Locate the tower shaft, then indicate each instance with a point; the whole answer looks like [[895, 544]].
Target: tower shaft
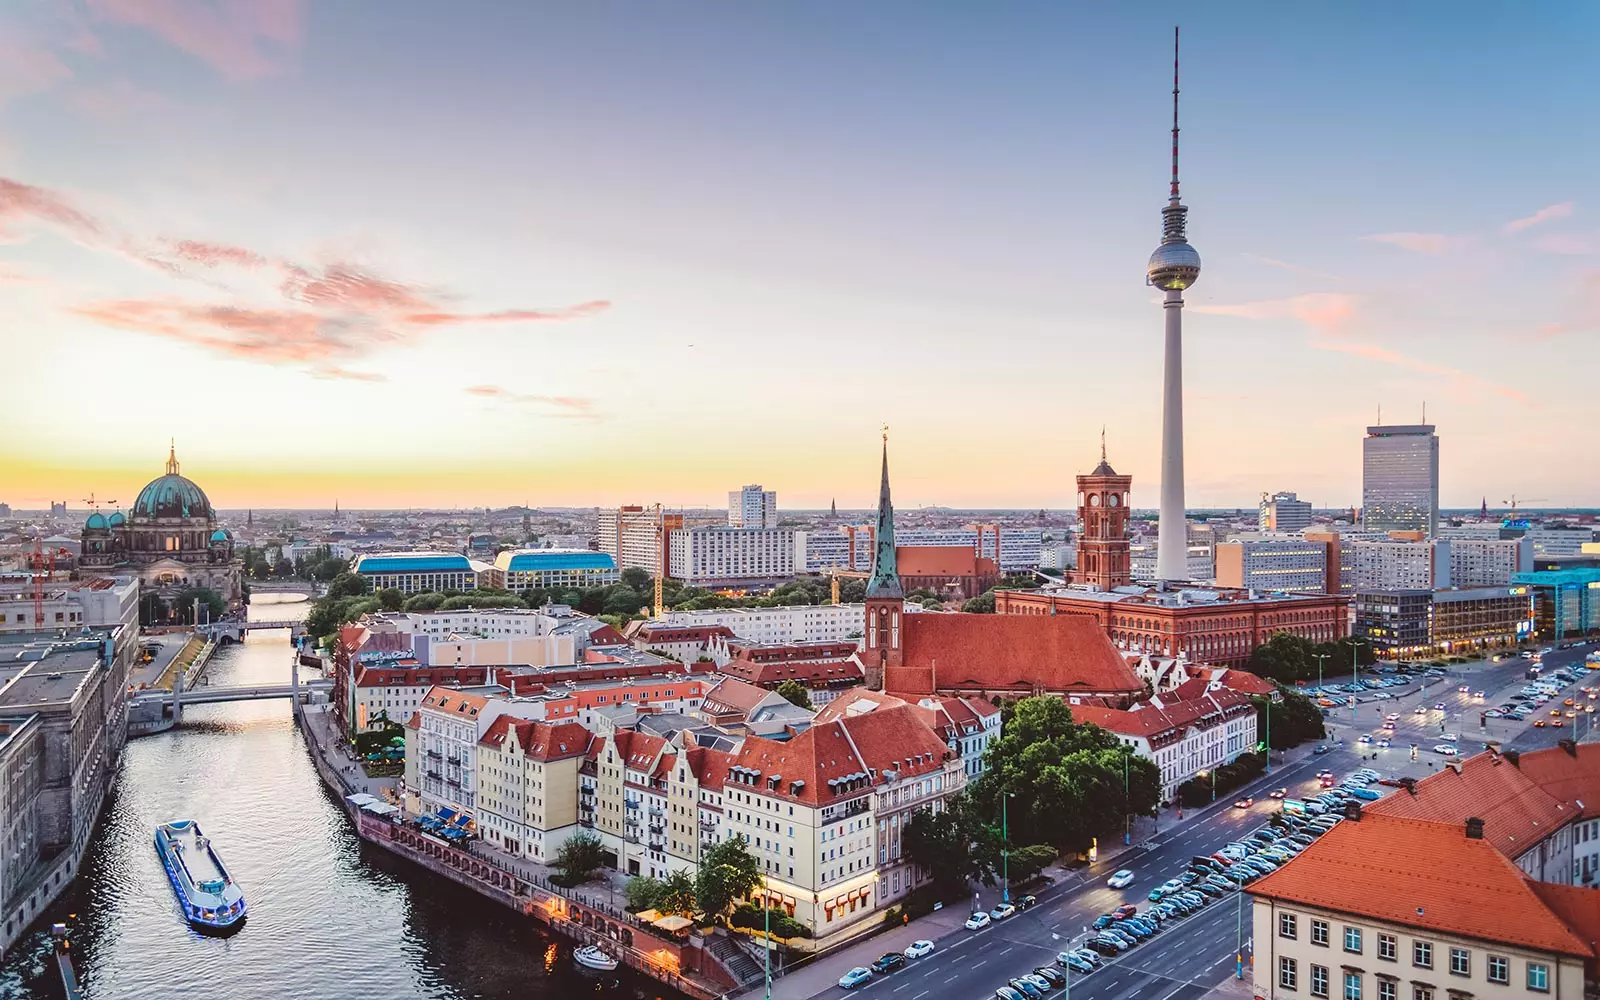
[[1172, 539]]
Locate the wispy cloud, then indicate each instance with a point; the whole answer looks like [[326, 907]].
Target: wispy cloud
[[1428, 243], [333, 372], [574, 407], [240, 39], [1328, 312], [24, 203], [1374, 352], [1286, 266], [26, 69], [1557, 211], [1569, 244], [215, 254]]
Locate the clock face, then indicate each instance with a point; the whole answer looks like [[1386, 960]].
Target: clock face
[[1113, 500], [1094, 500]]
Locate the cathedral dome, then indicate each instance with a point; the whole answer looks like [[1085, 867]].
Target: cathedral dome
[[221, 535], [96, 522], [172, 496], [116, 520]]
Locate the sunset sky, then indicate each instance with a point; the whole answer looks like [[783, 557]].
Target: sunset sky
[[416, 254]]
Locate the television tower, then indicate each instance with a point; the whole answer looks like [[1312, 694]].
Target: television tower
[[1173, 267]]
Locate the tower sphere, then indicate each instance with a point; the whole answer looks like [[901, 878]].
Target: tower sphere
[[1174, 266]]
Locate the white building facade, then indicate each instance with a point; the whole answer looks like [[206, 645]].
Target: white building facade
[[1396, 565], [708, 555], [752, 507], [1488, 562]]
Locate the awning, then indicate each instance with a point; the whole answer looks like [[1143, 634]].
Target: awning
[[649, 916], [675, 922]]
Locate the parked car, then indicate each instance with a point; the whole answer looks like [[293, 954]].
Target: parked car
[[855, 977], [1002, 911], [1027, 902], [1007, 993], [919, 949], [1124, 911], [1055, 978], [1120, 880], [1027, 989], [1071, 960], [978, 921], [889, 962]]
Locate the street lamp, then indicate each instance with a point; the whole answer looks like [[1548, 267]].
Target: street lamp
[[1127, 816], [1319, 657], [1005, 853], [1355, 670], [1238, 939]]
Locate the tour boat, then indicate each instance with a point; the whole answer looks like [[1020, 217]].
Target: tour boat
[[211, 900], [590, 956]]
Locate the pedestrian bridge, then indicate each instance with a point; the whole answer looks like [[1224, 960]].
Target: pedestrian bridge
[[236, 630], [216, 695]]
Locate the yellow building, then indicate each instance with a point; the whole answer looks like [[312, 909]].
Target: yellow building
[[528, 785]]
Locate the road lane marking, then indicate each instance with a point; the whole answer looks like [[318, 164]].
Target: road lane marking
[[1006, 952], [919, 996], [902, 986]]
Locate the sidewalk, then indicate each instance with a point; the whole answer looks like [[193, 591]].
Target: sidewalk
[[325, 743]]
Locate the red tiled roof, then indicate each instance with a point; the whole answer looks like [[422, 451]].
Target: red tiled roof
[[456, 702], [1422, 874], [937, 560], [710, 766], [406, 673], [733, 695], [809, 673], [1162, 721], [1571, 777], [605, 635], [1579, 909], [1516, 812], [637, 750], [546, 741], [864, 747], [1061, 654]]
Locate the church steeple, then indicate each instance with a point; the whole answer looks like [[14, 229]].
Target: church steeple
[[885, 580], [172, 457]]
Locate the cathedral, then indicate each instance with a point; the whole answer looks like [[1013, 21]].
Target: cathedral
[[170, 539]]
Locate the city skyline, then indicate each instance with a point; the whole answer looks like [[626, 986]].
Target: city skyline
[[535, 270]]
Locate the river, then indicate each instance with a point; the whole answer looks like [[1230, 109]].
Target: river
[[330, 917]]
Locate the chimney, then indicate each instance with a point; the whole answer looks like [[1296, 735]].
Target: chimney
[[1569, 746], [1352, 812], [1409, 784], [1514, 756], [1474, 828]]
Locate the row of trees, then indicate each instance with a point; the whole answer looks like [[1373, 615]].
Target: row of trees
[[727, 874], [320, 564], [1220, 781], [1289, 722], [1288, 658]]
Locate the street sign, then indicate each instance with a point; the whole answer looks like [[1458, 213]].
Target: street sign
[[1294, 807]]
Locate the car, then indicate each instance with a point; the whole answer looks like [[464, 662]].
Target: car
[[1445, 749], [978, 921], [1569, 703], [1438, 706], [1071, 960], [1538, 723], [1156, 894], [1478, 694], [1040, 981], [1555, 713], [1390, 726], [1364, 738], [1172, 885], [1451, 737], [1026, 988], [1088, 956], [1392, 716], [1007, 993], [1558, 723], [1119, 934], [1108, 940], [919, 949], [855, 977], [1493, 713], [1138, 928], [1055, 978], [1464, 688], [1124, 911], [1244, 803], [1121, 879], [1027, 902], [1321, 748], [1368, 795], [1384, 744], [887, 963], [1314, 808], [1002, 911], [1419, 710]]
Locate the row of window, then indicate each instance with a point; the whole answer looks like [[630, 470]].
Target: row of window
[[1388, 949], [1538, 980]]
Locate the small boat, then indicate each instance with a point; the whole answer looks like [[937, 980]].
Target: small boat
[[591, 957], [211, 900]]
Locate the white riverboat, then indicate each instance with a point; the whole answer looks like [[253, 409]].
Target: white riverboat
[[211, 899], [591, 957]]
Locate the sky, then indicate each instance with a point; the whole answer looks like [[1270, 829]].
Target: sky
[[407, 254]]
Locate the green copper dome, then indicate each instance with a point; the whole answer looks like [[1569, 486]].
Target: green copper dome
[[172, 496], [116, 520], [96, 522]]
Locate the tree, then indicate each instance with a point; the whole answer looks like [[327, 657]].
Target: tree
[[426, 601], [983, 604], [211, 604], [1026, 862], [329, 568], [677, 893], [283, 567], [637, 579], [580, 855], [1295, 719], [728, 871], [941, 844], [391, 599], [795, 693], [1065, 782], [623, 601], [348, 585], [644, 893]]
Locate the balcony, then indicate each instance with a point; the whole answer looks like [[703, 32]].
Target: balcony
[[657, 811], [434, 754], [631, 803], [453, 759], [435, 775], [453, 781]]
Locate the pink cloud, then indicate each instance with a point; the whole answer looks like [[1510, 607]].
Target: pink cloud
[[1570, 244], [1286, 266], [215, 254], [1373, 352], [21, 203], [1429, 243], [1328, 312], [344, 288], [28, 70], [117, 99], [240, 39], [1545, 214], [575, 407], [578, 311], [332, 372], [271, 335]]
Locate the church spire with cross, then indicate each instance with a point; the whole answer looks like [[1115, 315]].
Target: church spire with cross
[[885, 580], [172, 456]]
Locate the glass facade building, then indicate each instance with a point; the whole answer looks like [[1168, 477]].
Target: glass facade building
[[1400, 479]]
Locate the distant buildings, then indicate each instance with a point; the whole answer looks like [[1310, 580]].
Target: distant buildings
[[1289, 564], [1488, 562], [752, 507], [709, 556], [849, 547], [1392, 564], [1410, 623], [781, 625], [552, 569], [419, 572], [1400, 479], [1284, 512], [1566, 601], [636, 537], [1182, 737]]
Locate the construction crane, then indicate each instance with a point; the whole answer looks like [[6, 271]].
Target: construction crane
[[97, 504], [661, 560], [42, 566], [1514, 501], [833, 580]]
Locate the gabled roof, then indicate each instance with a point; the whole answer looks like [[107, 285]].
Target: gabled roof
[[938, 560], [710, 766], [810, 672], [1517, 814], [732, 695], [637, 750], [1062, 654], [455, 702], [841, 758], [1164, 720], [1425, 875]]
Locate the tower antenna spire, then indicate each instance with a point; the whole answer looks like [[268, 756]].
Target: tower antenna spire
[[1174, 114], [1102, 443]]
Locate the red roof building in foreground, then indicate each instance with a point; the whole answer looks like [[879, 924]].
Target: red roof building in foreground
[[1391, 906], [973, 654], [1183, 736]]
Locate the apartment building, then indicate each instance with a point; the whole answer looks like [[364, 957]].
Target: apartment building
[[967, 725], [528, 785], [849, 547], [636, 537], [1399, 565], [752, 507], [1389, 908], [825, 669], [789, 624], [1488, 562], [716, 555], [442, 744], [96, 602], [1283, 511], [1184, 737], [1288, 564]]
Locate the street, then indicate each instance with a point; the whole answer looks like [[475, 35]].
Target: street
[[1190, 956]]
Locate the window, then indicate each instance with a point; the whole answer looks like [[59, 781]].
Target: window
[[1352, 986], [1288, 977], [1387, 990], [1460, 962], [1386, 947], [1287, 925], [1422, 954], [1319, 932], [1319, 981], [1499, 969], [1538, 977], [1352, 940]]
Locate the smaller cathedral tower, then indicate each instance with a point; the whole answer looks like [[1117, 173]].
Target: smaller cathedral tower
[[1104, 552], [885, 598]]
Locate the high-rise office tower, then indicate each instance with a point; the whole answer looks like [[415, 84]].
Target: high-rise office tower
[[1173, 267], [752, 507], [1283, 512], [1400, 478]]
